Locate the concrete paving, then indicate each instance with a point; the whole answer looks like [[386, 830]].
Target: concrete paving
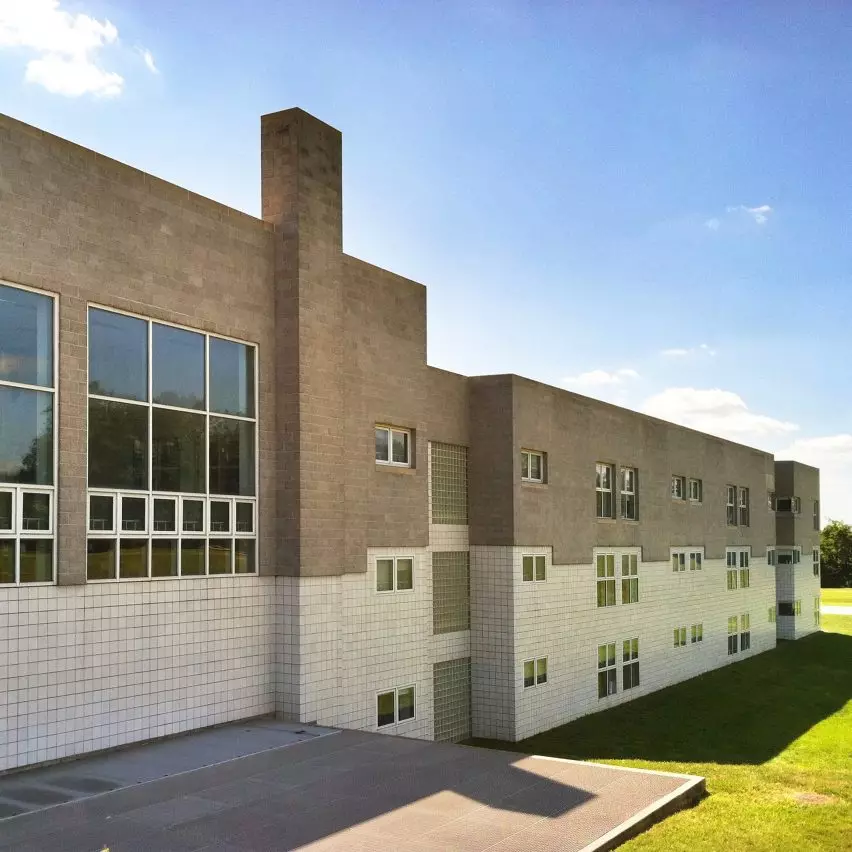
[[268, 785]]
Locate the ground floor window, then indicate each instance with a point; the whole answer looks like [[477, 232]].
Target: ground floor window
[[26, 535], [535, 672], [679, 637], [773, 614], [745, 631], [630, 660], [395, 705], [607, 671], [816, 612], [733, 645], [697, 632]]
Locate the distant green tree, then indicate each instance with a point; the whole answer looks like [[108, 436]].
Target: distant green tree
[[836, 555]]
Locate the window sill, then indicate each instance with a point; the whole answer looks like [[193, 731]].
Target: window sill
[[533, 483], [606, 520], [396, 468], [633, 522]]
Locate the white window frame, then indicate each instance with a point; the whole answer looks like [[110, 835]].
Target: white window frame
[[678, 487], [745, 632], [607, 579], [526, 462], [731, 514], [600, 489], [396, 559], [697, 633], [396, 720], [733, 635], [630, 662], [679, 636], [389, 462], [771, 556], [629, 496], [609, 670], [18, 534], [696, 560], [815, 555], [205, 497], [678, 560], [695, 490], [630, 578], [539, 678], [538, 559], [743, 507]]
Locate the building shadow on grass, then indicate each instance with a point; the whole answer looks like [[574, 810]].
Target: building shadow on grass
[[745, 713]]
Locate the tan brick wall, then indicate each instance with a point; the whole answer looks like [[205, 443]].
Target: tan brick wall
[[90, 229]]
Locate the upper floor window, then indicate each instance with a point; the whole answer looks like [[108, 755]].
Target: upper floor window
[[733, 635], [788, 555], [605, 569], [695, 490], [630, 663], [27, 461], [678, 488], [395, 574], [172, 451], [731, 504], [789, 504], [771, 500], [816, 561], [629, 578], [603, 488], [534, 568], [532, 466], [394, 706], [743, 507], [393, 446], [816, 515], [607, 670], [629, 493]]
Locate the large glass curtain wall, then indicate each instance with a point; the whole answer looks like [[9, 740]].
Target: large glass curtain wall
[[27, 406], [172, 451]]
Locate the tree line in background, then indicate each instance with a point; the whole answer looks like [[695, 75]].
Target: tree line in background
[[836, 555]]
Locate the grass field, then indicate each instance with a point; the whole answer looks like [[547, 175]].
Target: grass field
[[772, 735], [837, 597]]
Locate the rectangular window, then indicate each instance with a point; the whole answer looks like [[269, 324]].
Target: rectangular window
[[629, 578], [798, 607], [679, 637], [816, 611], [395, 574], [733, 645], [603, 488], [731, 504], [786, 608], [678, 488], [534, 568], [630, 663], [172, 451], [629, 493], [745, 577], [697, 633], [696, 490], [796, 555], [816, 515], [607, 671], [771, 501], [395, 705], [770, 556], [532, 466], [605, 567], [695, 558], [773, 611], [27, 431], [678, 561], [784, 504], [816, 561], [796, 505], [448, 483], [744, 507], [535, 672], [393, 446], [745, 631]]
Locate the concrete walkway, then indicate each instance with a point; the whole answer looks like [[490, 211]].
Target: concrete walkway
[[836, 610], [322, 790]]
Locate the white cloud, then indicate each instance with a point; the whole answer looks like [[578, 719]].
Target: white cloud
[[715, 411], [832, 454], [702, 349], [713, 224], [597, 378], [148, 59], [759, 214], [67, 47]]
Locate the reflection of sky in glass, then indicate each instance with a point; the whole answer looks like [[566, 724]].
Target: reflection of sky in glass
[[118, 355], [26, 437], [177, 364], [26, 337], [231, 377]]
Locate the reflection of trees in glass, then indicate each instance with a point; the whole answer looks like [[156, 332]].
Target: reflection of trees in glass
[[36, 465], [178, 451], [231, 457], [118, 445]]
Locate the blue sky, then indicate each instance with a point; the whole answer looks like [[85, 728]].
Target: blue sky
[[645, 202]]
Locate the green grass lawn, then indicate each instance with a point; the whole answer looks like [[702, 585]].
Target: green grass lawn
[[837, 597], [768, 733]]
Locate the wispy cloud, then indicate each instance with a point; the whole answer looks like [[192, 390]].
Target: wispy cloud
[[67, 47], [599, 378], [701, 349], [713, 224], [148, 59], [718, 412], [758, 215]]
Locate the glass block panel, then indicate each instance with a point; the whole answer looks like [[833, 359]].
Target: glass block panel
[[37, 560], [450, 592], [449, 483], [100, 559], [452, 696]]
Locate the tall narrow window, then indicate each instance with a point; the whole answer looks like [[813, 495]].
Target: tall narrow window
[[816, 515], [696, 490], [603, 489], [732, 635], [605, 567], [678, 488], [629, 578], [629, 493], [27, 463], [607, 670], [744, 507], [745, 631], [731, 505], [172, 451], [630, 663], [816, 561], [731, 558], [745, 574], [680, 637]]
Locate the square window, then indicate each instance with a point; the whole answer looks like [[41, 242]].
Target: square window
[[532, 466], [678, 562]]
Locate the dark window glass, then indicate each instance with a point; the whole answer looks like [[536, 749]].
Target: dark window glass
[[37, 561], [26, 337], [386, 714], [192, 556], [405, 704], [118, 445], [785, 608], [220, 517], [101, 513], [36, 512], [231, 457], [220, 556], [7, 561], [133, 511], [177, 367], [193, 516], [118, 355], [164, 560], [165, 516], [245, 518], [100, 560], [231, 377], [26, 436], [133, 558], [245, 562], [178, 451], [382, 445], [6, 510]]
